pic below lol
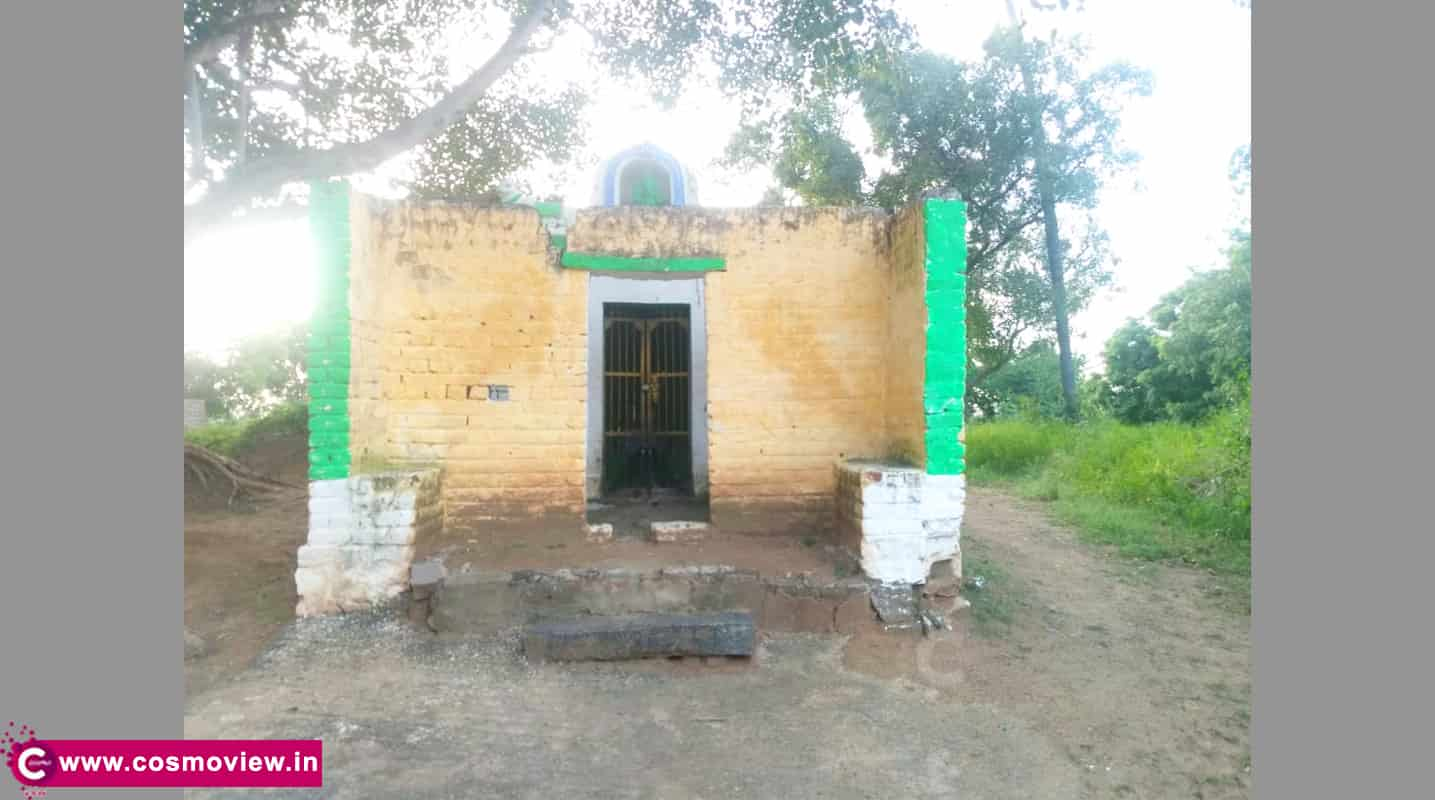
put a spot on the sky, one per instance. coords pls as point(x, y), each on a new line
point(1170, 215)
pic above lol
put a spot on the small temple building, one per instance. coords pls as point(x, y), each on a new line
point(480, 371)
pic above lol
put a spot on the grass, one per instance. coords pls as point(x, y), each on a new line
point(1163, 492)
point(995, 604)
point(234, 438)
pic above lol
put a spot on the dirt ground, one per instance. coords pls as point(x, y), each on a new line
point(1075, 674)
point(239, 560)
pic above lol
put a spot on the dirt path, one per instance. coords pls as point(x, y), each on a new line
point(238, 581)
point(1140, 671)
point(1079, 675)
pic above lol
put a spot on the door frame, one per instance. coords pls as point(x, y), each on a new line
point(648, 289)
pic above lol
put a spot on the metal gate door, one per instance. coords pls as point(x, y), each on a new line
point(647, 356)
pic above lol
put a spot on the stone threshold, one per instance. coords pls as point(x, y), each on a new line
point(477, 602)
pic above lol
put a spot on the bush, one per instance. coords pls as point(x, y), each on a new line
point(234, 438)
point(1011, 448)
point(1166, 490)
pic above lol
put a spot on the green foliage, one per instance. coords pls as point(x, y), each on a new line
point(1241, 169)
point(1133, 356)
point(259, 373)
point(946, 125)
point(968, 126)
point(1011, 448)
point(773, 197)
point(762, 50)
point(1161, 491)
point(234, 438)
point(202, 381)
point(500, 136)
point(272, 88)
point(309, 74)
point(808, 154)
point(1027, 387)
point(1193, 356)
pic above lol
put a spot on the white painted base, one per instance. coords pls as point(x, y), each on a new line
point(362, 532)
point(900, 520)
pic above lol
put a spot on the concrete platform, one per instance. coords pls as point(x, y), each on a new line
point(641, 636)
point(483, 602)
point(548, 543)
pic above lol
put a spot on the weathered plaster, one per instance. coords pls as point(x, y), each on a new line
point(363, 532)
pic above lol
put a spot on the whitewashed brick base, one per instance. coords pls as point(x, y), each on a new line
point(899, 521)
point(362, 532)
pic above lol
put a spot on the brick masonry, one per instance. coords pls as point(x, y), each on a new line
point(906, 339)
point(797, 346)
point(362, 536)
point(899, 520)
point(832, 334)
point(451, 304)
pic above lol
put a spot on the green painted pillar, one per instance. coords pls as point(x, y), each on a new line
point(946, 360)
point(328, 360)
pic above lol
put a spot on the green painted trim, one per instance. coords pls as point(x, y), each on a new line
point(945, 224)
point(328, 342)
point(630, 264)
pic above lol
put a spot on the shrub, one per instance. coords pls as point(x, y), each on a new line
point(1011, 448)
point(1165, 490)
point(236, 437)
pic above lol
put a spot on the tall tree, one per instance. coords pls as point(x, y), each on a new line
point(1041, 158)
point(279, 92)
point(967, 126)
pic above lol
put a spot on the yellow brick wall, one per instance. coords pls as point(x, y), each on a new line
point(907, 338)
point(797, 328)
point(815, 335)
point(797, 342)
point(444, 298)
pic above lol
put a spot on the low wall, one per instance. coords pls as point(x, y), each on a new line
point(362, 533)
point(899, 521)
point(194, 413)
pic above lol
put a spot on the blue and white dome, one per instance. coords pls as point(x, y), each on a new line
point(645, 175)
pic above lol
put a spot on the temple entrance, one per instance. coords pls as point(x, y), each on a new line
point(647, 398)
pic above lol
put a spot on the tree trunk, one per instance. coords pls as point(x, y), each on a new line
point(1055, 269)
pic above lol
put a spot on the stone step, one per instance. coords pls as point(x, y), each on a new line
point(641, 636)
point(486, 602)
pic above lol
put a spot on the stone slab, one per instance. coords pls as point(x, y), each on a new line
point(641, 636)
point(677, 531)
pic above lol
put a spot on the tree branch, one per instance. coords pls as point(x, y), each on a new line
point(209, 48)
point(1006, 239)
point(195, 112)
point(267, 175)
point(246, 39)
